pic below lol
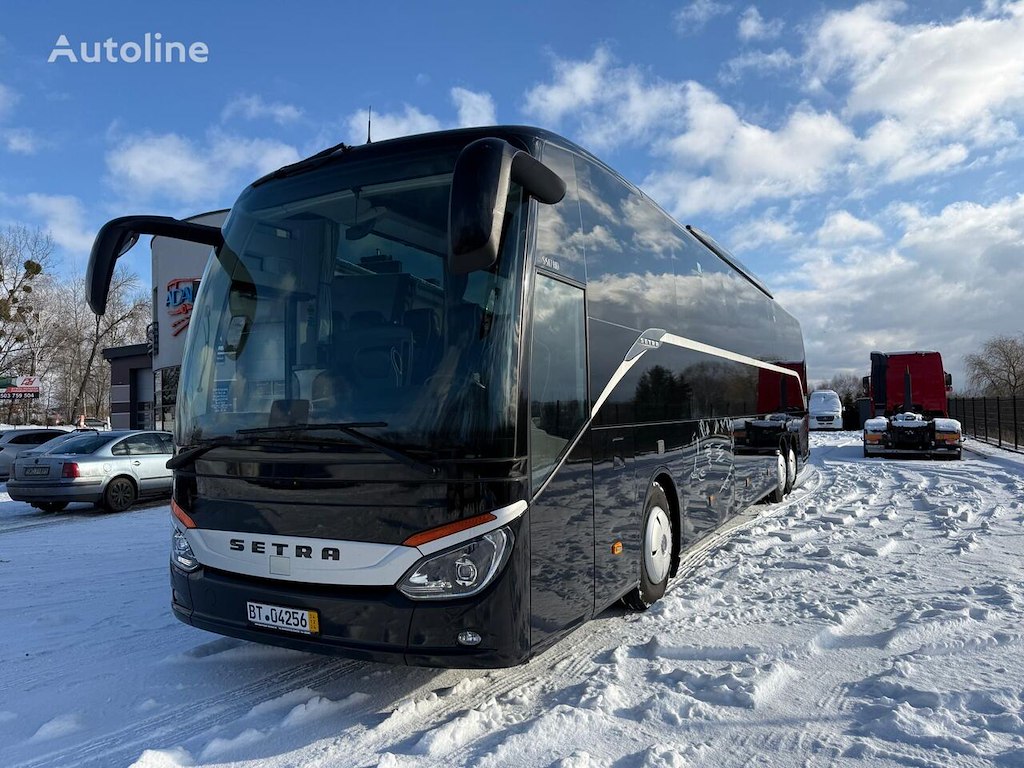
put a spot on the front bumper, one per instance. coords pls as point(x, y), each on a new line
point(938, 448)
point(835, 423)
point(53, 490)
point(368, 623)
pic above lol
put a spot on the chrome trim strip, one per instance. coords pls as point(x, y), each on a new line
point(359, 563)
point(653, 338)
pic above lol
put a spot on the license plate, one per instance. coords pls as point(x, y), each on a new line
point(37, 471)
point(296, 620)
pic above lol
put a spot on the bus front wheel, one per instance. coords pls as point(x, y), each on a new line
point(656, 539)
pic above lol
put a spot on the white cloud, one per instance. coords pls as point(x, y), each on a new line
point(842, 227)
point(852, 43)
point(753, 26)
point(900, 151)
point(769, 229)
point(253, 107)
point(184, 171)
point(613, 104)
point(408, 122)
point(942, 285)
point(64, 217)
point(947, 78)
point(692, 17)
point(710, 159)
point(940, 93)
point(765, 64)
point(20, 141)
point(725, 163)
point(8, 98)
point(474, 108)
point(576, 85)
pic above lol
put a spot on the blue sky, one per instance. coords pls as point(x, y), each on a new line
point(865, 159)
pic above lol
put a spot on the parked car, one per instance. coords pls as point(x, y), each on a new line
point(91, 422)
point(110, 469)
point(825, 409)
point(14, 442)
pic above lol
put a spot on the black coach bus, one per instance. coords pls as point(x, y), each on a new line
point(446, 397)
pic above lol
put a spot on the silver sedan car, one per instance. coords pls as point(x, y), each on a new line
point(110, 469)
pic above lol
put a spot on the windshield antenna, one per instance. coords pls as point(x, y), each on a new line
point(369, 116)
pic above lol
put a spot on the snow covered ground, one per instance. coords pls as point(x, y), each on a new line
point(874, 618)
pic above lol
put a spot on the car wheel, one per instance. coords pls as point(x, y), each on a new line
point(52, 506)
point(656, 539)
point(120, 495)
point(791, 468)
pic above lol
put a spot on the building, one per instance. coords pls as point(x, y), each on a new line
point(131, 386)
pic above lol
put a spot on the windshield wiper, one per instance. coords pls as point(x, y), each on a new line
point(351, 430)
point(189, 455)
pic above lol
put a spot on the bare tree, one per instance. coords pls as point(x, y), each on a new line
point(73, 336)
point(24, 255)
point(998, 369)
point(846, 385)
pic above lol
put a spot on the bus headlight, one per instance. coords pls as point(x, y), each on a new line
point(181, 553)
point(459, 572)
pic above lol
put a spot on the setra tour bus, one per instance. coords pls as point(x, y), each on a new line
point(446, 397)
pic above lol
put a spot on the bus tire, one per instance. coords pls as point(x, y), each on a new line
point(778, 493)
point(656, 551)
point(791, 468)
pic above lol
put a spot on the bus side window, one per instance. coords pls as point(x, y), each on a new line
point(558, 387)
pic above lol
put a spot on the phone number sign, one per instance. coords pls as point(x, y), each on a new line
point(19, 387)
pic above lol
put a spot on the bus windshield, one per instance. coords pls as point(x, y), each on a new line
point(330, 303)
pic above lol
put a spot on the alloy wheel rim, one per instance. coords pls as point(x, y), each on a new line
point(120, 494)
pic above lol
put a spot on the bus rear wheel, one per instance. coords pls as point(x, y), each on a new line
point(791, 468)
point(656, 539)
point(779, 491)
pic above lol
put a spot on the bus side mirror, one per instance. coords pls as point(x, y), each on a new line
point(865, 385)
point(483, 175)
point(948, 379)
point(116, 238)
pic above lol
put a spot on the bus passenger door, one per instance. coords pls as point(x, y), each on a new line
point(562, 514)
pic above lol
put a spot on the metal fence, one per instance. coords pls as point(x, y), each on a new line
point(996, 420)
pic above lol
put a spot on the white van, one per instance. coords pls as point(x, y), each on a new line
point(826, 410)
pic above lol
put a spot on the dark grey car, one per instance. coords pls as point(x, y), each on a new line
point(111, 469)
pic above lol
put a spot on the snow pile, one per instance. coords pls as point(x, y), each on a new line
point(877, 616)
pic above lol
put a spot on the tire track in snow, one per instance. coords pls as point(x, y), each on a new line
point(123, 745)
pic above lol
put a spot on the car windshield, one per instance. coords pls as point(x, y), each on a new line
point(330, 302)
point(825, 401)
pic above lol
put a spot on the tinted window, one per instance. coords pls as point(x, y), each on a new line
point(558, 389)
point(33, 438)
point(120, 449)
point(84, 444)
point(630, 247)
point(166, 444)
point(559, 238)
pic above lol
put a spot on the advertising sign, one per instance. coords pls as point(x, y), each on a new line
point(19, 387)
